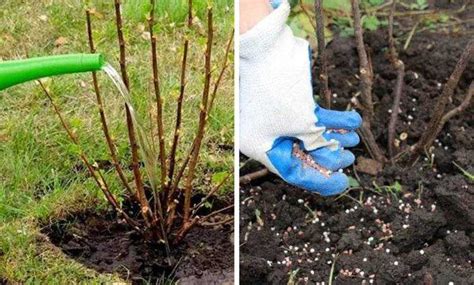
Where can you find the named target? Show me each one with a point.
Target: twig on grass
(397, 92)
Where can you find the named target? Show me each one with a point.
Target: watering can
(19, 71)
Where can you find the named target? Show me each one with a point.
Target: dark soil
(107, 244)
(421, 235)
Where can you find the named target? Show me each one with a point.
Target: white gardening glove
(277, 108)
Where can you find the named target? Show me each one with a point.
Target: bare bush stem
(179, 108)
(159, 101)
(222, 72)
(96, 175)
(202, 119)
(366, 76)
(144, 205)
(103, 118)
(322, 58)
(436, 123)
(121, 41)
(397, 93)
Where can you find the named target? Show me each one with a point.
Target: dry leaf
(60, 41)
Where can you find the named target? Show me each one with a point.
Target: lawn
(41, 177)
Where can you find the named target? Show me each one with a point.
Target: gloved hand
(280, 124)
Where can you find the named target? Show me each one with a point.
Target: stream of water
(148, 153)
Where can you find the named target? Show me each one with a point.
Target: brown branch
(181, 171)
(202, 118)
(397, 92)
(222, 72)
(435, 124)
(96, 175)
(216, 212)
(459, 109)
(159, 100)
(210, 106)
(366, 76)
(121, 41)
(131, 132)
(103, 118)
(212, 192)
(144, 205)
(179, 108)
(322, 58)
(455, 111)
(308, 15)
(246, 179)
(223, 222)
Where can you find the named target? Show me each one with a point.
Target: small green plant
(417, 5)
(372, 23)
(395, 190)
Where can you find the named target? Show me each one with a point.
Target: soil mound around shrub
(104, 243)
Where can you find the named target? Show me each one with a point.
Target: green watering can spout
(19, 71)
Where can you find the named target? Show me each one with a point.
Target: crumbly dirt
(107, 244)
(422, 234)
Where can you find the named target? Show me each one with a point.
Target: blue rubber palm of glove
(297, 173)
(318, 179)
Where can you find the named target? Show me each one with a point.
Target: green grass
(40, 177)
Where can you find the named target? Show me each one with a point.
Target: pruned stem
(202, 119)
(397, 92)
(144, 205)
(436, 123)
(365, 70)
(96, 175)
(159, 101)
(366, 76)
(322, 58)
(179, 108)
(103, 118)
(121, 41)
(222, 72)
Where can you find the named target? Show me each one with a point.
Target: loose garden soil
(420, 235)
(107, 244)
